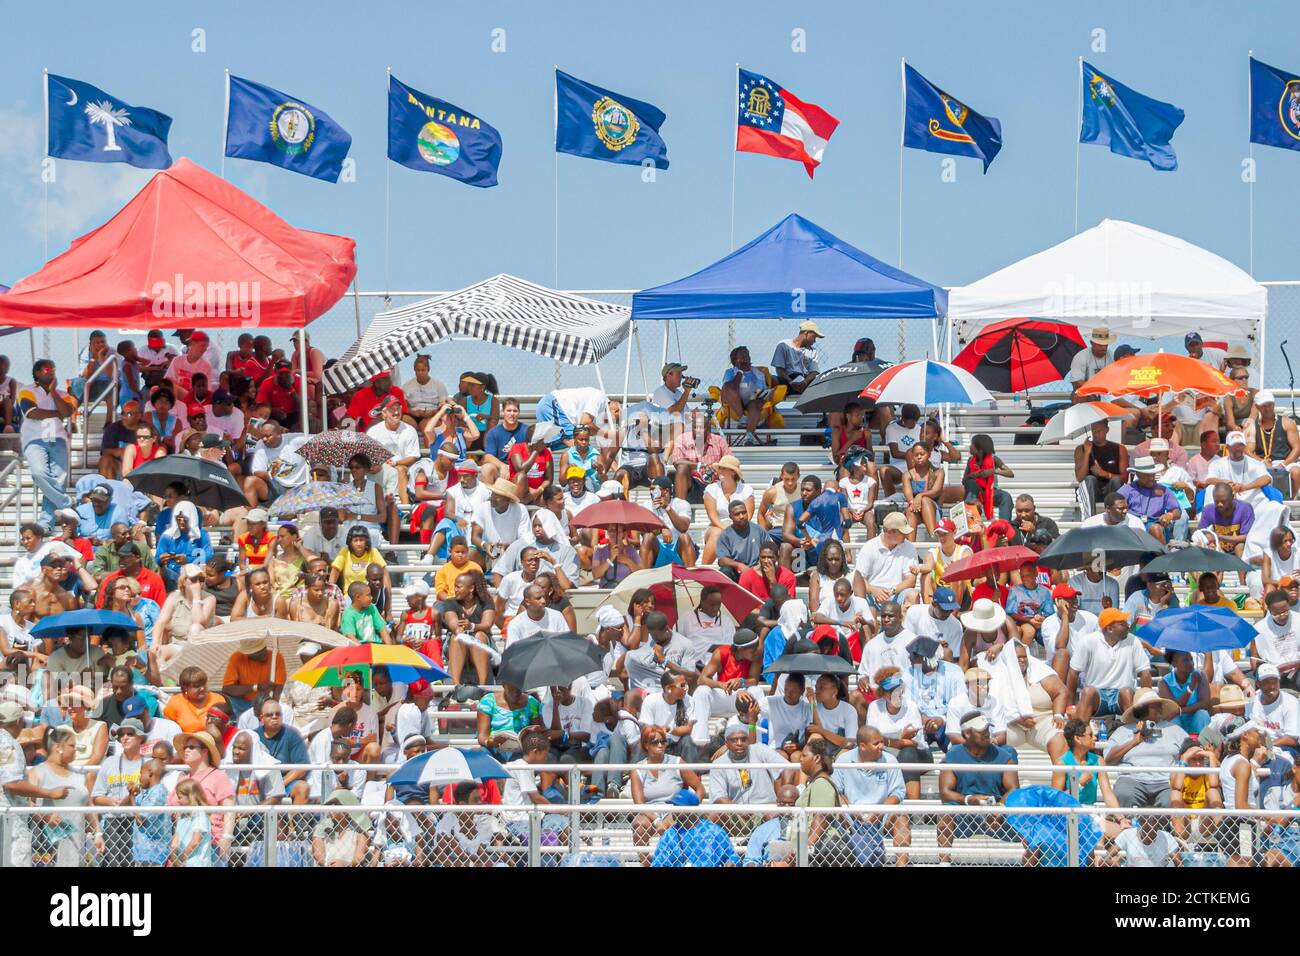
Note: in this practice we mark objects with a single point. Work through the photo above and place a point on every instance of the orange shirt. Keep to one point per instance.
(242, 669)
(255, 552)
(444, 582)
(189, 718)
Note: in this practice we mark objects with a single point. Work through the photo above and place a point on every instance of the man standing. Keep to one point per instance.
(795, 362)
(44, 437)
(402, 442)
(570, 407)
(1091, 360)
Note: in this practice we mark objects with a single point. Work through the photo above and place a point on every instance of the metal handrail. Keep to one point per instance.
(89, 406)
(17, 493)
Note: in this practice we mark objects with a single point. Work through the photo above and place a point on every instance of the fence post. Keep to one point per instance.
(575, 783)
(1072, 824)
(534, 838)
(6, 836)
(270, 822)
(801, 838)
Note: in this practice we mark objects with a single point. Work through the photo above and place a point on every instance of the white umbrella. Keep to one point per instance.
(211, 649)
(1079, 418)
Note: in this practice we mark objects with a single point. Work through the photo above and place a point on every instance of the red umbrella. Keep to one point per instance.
(606, 514)
(1018, 354)
(981, 563)
(676, 591)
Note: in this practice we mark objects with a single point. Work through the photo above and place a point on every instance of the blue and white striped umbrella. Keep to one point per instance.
(449, 765)
(926, 383)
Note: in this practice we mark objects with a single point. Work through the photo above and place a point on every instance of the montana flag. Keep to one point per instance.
(1274, 106)
(268, 126)
(773, 121)
(600, 124)
(434, 136)
(1129, 123)
(939, 123)
(87, 124)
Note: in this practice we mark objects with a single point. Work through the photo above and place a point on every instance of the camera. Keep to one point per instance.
(690, 382)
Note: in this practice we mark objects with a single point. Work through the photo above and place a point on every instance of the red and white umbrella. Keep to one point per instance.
(926, 383)
(677, 591)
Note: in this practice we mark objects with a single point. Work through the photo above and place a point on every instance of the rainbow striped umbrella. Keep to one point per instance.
(926, 383)
(404, 665)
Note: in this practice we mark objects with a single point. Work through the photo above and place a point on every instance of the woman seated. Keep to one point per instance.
(922, 489)
(185, 614)
(468, 617)
(617, 557)
(656, 784)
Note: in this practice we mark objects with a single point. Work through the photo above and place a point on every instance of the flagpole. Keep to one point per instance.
(902, 133)
(1250, 147)
(555, 159)
(225, 126)
(735, 133)
(45, 181)
(388, 208)
(1078, 135)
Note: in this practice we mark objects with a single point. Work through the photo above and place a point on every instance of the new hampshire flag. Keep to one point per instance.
(1129, 123)
(601, 124)
(87, 124)
(268, 126)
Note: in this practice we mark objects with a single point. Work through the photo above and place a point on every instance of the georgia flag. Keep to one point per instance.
(773, 121)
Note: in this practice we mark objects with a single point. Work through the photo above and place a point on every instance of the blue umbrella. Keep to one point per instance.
(94, 621)
(1049, 833)
(449, 765)
(1197, 628)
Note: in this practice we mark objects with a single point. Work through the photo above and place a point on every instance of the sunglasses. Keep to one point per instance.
(656, 742)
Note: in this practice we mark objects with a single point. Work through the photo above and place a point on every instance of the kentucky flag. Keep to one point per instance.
(272, 127)
(939, 123)
(1274, 106)
(1129, 123)
(434, 136)
(601, 124)
(87, 124)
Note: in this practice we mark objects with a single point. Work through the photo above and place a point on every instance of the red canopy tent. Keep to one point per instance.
(190, 250)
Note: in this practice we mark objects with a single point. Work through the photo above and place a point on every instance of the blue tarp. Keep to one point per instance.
(760, 281)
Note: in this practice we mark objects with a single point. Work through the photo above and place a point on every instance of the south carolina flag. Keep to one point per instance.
(773, 121)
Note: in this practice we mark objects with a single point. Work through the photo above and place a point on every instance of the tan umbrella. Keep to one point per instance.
(211, 650)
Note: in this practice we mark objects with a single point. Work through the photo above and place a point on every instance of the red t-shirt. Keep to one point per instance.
(517, 453)
(278, 397)
(982, 590)
(752, 580)
(362, 407)
(252, 366)
(151, 586)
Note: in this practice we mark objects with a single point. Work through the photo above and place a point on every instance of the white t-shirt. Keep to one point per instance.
(1091, 592)
(657, 712)
(430, 395)
(666, 397)
(1281, 718)
(466, 501)
(703, 633)
(501, 527)
(181, 371)
(896, 433)
(229, 426)
(841, 720)
(27, 567)
(576, 402)
(522, 626)
(858, 493)
(1278, 645)
(881, 567)
(1085, 365)
(892, 725)
(784, 719)
(511, 590)
(283, 463)
(1137, 853)
(573, 505)
(721, 501)
(1240, 472)
(676, 506)
(1097, 520)
(962, 705)
(1106, 667)
(1085, 622)
(885, 651)
(829, 608)
(922, 623)
(401, 442)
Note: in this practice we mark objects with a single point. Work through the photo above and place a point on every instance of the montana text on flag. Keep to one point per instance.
(939, 123)
(1129, 123)
(773, 121)
(434, 136)
(87, 124)
(268, 126)
(602, 124)
(1274, 106)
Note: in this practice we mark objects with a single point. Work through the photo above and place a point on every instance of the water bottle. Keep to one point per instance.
(1099, 726)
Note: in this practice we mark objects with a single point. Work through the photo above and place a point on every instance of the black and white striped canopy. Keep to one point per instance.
(503, 309)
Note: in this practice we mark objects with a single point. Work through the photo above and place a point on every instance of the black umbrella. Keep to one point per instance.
(207, 484)
(836, 387)
(811, 664)
(1196, 560)
(1123, 546)
(548, 660)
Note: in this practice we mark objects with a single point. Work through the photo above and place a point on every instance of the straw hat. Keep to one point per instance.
(732, 463)
(252, 645)
(1146, 697)
(1231, 698)
(984, 617)
(203, 737)
(506, 489)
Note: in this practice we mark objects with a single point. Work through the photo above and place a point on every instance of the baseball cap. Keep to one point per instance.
(894, 521)
(1191, 337)
(66, 513)
(198, 335)
(1124, 351)
(1111, 615)
(1265, 671)
(946, 526)
(862, 343)
(155, 338)
(10, 711)
(609, 489)
(284, 365)
(418, 586)
(811, 326)
(1235, 438)
(213, 441)
(126, 549)
(1264, 397)
(414, 740)
(926, 647)
(258, 514)
(575, 472)
(671, 367)
(132, 405)
(222, 397)
(133, 707)
(469, 464)
(420, 686)
(194, 410)
(944, 598)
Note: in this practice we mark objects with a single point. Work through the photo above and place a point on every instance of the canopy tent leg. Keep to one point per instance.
(609, 419)
(303, 418)
(1259, 347)
(640, 361)
(627, 364)
(664, 361)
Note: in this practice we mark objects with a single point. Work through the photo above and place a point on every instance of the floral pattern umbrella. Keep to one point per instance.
(333, 448)
(321, 494)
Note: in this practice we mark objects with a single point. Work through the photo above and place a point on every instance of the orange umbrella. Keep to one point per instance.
(1159, 372)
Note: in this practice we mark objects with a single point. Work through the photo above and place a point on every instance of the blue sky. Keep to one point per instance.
(1012, 60)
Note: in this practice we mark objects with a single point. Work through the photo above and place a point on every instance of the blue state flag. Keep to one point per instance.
(1129, 123)
(939, 123)
(1274, 106)
(268, 126)
(435, 136)
(601, 124)
(87, 124)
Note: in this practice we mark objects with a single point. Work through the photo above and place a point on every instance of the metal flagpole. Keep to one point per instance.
(734, 150)
(304, 421)
(1250, 147)
(902, 132)
(225, 126)
(31, 332)
(555, 106)
(1078, 134)
(388, 211)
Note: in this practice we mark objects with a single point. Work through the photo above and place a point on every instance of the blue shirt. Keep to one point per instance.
(756, 846)
(826, 520)
(438, 439)
(705, 844)
(499, 438)
(1148, 503)
(99, 527)
(152, 836)
(1030, 601)
(287, 747)
(933, 692)
(773, 647)
(196, 550)
(865, 788)
(984, 784)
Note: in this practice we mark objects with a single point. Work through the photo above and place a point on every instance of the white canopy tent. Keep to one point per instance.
(1138, 282)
